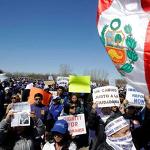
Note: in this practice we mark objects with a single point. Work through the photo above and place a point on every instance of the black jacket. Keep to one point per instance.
(96, 123)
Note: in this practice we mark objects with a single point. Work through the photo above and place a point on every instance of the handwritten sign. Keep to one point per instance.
(76, 124)
(62, 81)
(134, 97)
(106, 96)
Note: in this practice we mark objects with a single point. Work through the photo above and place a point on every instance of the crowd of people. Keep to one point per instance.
(110, 128)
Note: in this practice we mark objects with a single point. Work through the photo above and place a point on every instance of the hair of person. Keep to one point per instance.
(61, 87)
(38, 95)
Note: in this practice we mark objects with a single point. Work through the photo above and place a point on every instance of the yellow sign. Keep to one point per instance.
(80, 84)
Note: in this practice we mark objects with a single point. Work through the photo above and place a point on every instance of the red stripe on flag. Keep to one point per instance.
(147, 57)
(145, 5)
(102, 5)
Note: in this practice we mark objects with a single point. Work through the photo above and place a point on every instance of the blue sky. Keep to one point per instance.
(39, 35)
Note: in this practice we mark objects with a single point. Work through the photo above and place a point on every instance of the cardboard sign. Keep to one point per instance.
(21, 114)
(62, 81)
(76, 124)
(106, 96)
(134, 97)
(80, 84)
(46, 96)
(52, 82)
(54, 93)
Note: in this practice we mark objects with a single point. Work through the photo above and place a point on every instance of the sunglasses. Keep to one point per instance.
(72, 107)
(37, 99)
(13, 97)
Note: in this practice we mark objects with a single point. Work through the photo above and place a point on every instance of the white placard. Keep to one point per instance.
(21, 114)
(106, 96)
(76, 124)
(3, 77)
(63, 81)
(134, 97)
(54, 93)
(50, 77)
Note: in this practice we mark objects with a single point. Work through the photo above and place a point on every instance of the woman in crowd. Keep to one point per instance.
(61, 136)
(14, 99)
(79, 104)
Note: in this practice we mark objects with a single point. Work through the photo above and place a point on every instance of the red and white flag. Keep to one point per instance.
(124, 28)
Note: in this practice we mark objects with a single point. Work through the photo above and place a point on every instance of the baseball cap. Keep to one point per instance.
(60, 126)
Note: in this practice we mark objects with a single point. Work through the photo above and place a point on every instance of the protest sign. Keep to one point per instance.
(3, 77)
(62, 81)
(21, 114)
(52, 82)
(76, 124)
(46, 96)
(54, 93)
(106, 96)
(79, 84)
(50, 77)
(134, 97)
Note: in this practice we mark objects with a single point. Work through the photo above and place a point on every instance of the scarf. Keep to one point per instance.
(121, 143)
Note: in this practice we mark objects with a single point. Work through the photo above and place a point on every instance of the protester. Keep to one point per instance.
(141, 135)
(21, 137)
(14, 99)
(60, 93)
(62, 138)
(114, 134)
(79, 104)
(40, 110)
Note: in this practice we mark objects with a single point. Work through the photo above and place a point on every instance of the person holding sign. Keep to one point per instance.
(141, 134)
(21, 137)
(61, 136)
(60, 93)
(112, 135)
(79, 104)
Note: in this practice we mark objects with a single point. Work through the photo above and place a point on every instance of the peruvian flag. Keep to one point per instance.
(124, 29)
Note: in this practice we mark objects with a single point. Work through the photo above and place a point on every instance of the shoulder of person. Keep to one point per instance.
(72, 146)
(49, 146)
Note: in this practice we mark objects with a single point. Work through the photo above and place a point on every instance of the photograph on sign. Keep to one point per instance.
(21, 114)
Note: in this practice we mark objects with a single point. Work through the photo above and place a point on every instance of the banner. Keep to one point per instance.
(79, 84)
(52, 82)
(134, 98)
(76, 124)
(46, 96)
(62, 81)
(124, 29)
(106, 96)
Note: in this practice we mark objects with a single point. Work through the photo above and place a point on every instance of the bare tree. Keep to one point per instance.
(97, 75)
(121, 83)
(65, 70)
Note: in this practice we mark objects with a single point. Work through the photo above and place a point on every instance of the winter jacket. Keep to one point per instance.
(96, 123)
